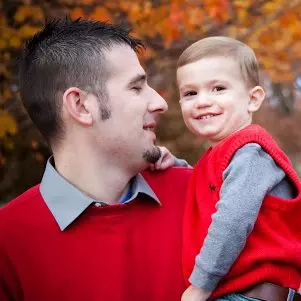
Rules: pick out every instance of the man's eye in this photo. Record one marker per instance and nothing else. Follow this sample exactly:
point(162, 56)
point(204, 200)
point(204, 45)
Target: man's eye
point(218, 88)
point(136, 89)
point(190, 93)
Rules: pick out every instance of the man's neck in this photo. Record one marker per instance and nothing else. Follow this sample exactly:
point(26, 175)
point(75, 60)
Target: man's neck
point(98, 179)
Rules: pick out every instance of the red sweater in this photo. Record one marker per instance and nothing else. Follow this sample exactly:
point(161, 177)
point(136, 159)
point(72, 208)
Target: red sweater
point(273, 249)
point(117, 253)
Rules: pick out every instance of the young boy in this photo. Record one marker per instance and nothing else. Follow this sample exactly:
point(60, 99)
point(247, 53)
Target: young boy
point(244, 203)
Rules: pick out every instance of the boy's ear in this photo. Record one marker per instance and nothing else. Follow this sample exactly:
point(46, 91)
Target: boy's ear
point(256, 98)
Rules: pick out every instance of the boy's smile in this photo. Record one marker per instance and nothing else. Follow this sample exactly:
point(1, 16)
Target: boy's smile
point(214, 98)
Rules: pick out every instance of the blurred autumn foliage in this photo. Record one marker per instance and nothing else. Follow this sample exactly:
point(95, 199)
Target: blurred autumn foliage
point(271, 28)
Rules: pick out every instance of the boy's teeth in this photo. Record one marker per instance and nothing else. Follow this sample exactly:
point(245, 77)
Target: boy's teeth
point(206, 116)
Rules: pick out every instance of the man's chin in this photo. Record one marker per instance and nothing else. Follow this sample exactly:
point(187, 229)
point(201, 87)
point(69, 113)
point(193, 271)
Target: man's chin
point(152, 155)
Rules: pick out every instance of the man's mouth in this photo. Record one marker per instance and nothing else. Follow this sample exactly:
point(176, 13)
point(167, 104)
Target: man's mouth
point(149, 127)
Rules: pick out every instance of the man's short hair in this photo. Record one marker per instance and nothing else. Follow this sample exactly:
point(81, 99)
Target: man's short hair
point(66, 54)
point(226, 47)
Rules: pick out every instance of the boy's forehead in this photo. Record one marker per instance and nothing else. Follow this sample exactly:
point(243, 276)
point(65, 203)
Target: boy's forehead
point(208, 68)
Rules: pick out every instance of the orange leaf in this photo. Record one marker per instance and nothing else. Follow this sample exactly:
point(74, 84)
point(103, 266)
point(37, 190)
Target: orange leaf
point(266, 39)
point(7, 124)
point(2, 160)
point(146, 54)
point(27, 31)
point(6, 56)
point(22, 13)
point(175, 33)
point(296, 50)
point(175, 17)
point(218, 10)
point(15, 42)
point(37, 13)
point(7, 94)
point(4, 71)
point(3, 44)
point(34, 144)
point(29, 11)
point(134, 13)
point(7, 33)
point(86, 2)
point(39, 157)
point(164, 94)
point(166, 33)
point(101, 14)
point(77, 13)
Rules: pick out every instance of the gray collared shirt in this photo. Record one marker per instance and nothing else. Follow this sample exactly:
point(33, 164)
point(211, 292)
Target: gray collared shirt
point(66, 202)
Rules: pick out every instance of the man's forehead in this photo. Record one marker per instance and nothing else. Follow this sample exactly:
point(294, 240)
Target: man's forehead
point(122, 58)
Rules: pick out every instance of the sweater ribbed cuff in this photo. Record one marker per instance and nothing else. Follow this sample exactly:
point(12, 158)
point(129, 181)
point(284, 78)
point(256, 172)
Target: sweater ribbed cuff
point(204, 280)
point(181, 162)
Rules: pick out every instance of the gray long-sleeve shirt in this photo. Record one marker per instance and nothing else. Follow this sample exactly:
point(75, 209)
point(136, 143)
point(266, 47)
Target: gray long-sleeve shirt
point(251, 174)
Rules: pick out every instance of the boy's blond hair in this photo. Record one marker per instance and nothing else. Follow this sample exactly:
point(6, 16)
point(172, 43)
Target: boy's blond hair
point(227, 47)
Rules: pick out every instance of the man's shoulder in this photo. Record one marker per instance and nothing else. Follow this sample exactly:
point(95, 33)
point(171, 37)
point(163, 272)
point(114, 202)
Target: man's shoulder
point(173, 176)
point(170, 185)
point(20, 205)
point(178, 172)
point(21, 220)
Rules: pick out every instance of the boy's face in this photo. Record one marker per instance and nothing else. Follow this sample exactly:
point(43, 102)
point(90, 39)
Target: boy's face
point(214, 98)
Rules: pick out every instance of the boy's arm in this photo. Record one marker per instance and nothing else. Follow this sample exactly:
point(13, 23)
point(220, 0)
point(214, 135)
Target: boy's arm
point(167, 160)
point(245, 185)
point(181, 162)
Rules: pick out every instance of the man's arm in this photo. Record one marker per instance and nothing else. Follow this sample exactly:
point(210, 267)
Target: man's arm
point(9, 283)
point(10, 288)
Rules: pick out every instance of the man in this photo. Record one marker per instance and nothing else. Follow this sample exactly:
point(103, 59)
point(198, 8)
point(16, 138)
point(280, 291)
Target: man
point(95, 228)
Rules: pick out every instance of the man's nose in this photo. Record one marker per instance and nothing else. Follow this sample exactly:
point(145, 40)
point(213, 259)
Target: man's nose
point(157, 103)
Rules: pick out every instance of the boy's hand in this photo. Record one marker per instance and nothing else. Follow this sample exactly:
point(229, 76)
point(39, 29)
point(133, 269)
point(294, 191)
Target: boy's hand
point(166, 160)
point(193, 293)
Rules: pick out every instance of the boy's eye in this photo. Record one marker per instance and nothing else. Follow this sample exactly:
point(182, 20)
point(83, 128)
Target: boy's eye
point(189, 93)
point(218, 88)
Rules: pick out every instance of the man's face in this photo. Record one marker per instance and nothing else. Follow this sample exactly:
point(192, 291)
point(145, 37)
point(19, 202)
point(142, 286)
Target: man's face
point(214, 98)
point(134, 109)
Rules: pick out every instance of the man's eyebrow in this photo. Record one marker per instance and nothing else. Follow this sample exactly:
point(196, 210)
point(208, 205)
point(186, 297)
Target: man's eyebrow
point(138, 78)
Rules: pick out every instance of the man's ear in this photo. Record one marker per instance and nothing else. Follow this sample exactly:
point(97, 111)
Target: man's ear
point(75, 103)
point(256, 98)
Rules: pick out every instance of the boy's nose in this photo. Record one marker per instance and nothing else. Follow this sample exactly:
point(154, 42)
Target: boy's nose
point(203, 100)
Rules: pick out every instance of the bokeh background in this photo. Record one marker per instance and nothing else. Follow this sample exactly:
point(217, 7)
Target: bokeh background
point(271, 28)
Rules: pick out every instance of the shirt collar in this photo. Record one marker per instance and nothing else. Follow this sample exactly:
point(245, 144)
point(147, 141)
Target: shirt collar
point(66, 202)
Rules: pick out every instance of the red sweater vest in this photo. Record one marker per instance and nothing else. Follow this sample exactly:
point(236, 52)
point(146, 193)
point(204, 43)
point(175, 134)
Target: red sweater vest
point(273, 249)
point(119, 253)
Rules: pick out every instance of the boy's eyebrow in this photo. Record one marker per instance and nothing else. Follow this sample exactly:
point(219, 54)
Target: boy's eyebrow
point(141, 77)
point(208, 83)
point(189, 86)
point(214, 81)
